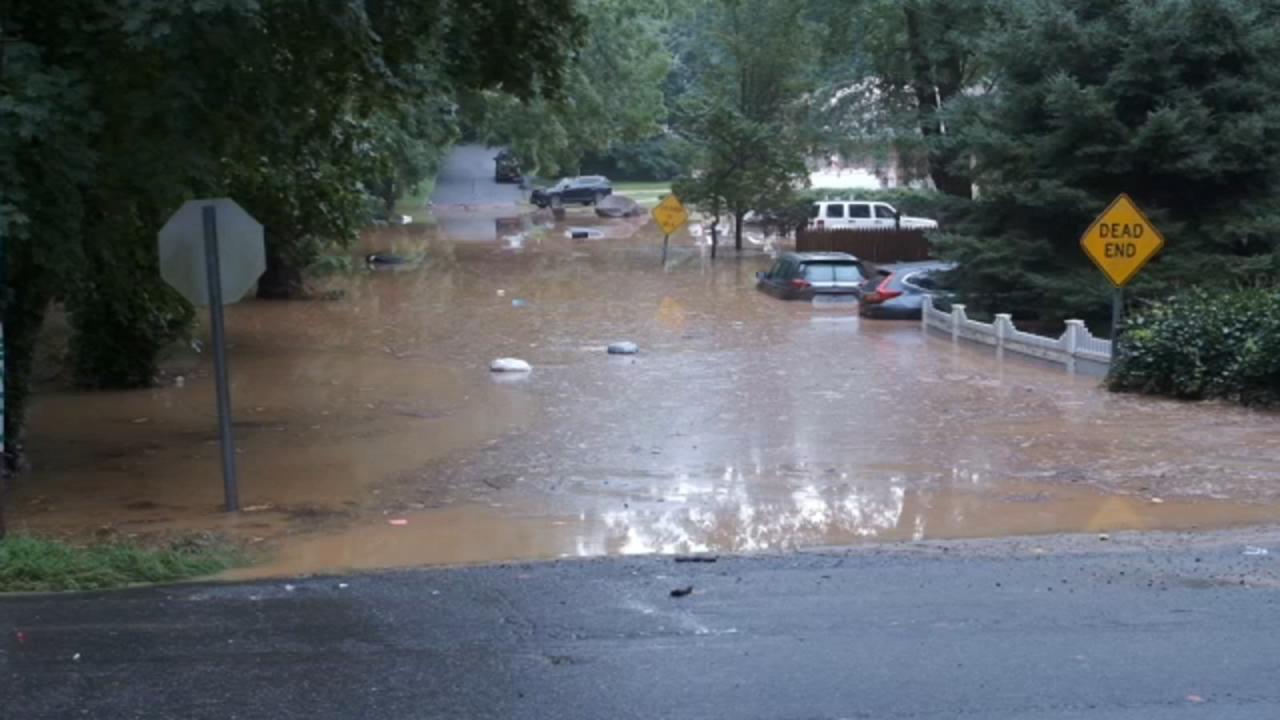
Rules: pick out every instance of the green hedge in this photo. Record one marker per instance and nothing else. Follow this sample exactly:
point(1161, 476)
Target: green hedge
point(1204, 344)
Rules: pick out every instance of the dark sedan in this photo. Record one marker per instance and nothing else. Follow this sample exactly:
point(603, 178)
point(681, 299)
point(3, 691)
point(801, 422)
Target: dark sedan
point(897, 292)
point(585, 190)
point(804, 276)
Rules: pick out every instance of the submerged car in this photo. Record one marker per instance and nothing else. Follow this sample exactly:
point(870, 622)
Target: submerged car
point(897, 292)
point(804, 276)
point(584, 190)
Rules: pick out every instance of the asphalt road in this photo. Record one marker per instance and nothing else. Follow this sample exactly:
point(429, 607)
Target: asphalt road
point(988, 630)
point(466, 178)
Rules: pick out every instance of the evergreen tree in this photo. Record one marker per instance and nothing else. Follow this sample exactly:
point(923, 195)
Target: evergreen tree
point(1175, 102)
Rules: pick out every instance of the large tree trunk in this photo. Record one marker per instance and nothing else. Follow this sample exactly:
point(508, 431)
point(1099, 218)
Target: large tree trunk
point(931, 93)
point(715, 227)
point(390, 193)
point(23, 317)
point(283, 279)
point(737, 229)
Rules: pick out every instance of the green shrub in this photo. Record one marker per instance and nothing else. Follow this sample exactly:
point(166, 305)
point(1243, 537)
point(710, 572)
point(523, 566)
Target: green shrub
point(122, 313)
point(1204, 345)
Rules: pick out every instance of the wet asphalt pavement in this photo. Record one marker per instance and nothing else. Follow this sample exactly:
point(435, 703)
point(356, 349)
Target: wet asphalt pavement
point(466, 178)
point(1137, 627)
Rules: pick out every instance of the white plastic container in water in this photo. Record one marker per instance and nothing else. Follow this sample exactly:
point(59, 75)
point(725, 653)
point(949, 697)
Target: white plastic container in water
point(510, 365)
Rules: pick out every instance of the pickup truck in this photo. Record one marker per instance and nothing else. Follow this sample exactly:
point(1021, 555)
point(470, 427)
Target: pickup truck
point(862, 215)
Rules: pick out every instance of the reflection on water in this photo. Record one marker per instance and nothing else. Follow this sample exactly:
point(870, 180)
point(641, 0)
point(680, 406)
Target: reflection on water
point(744, 424)
point(715, 521)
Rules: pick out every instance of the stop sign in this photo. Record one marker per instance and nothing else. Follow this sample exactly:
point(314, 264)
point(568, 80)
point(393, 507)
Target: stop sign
point(242, 254)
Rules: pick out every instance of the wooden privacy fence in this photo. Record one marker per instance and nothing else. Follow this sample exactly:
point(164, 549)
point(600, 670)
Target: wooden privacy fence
point(873, 245)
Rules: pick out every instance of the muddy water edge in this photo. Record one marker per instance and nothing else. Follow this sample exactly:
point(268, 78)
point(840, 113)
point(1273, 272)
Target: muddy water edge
point(744, 424)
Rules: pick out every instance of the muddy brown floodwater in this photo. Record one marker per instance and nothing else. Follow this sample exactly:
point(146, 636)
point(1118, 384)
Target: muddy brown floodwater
point(744, 424)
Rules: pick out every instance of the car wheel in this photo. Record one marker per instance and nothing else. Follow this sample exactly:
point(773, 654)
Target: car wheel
point(597, 198)
point(555, 202)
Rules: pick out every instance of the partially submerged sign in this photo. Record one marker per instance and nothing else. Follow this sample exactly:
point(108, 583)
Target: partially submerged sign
point(670, 214)
point(1121, 241)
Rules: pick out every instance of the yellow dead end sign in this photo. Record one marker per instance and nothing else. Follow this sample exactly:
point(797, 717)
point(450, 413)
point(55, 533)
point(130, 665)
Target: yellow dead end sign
point(670, 215)
point(1121, 241)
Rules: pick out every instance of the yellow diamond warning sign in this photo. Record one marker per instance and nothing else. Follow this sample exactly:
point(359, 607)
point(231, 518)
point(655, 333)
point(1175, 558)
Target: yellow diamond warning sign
point(1121, 241)
point(670, 214)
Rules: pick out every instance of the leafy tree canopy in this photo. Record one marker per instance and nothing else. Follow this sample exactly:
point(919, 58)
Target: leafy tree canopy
point(112, 112)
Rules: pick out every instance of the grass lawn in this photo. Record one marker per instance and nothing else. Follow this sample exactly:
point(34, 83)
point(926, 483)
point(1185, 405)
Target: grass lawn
point(29, 564)
point(415, 204)
point(645, 193)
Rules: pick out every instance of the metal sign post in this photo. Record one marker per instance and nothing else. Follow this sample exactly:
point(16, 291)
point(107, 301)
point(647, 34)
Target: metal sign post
point(213, 252)
point(1117, 310)
point(670, 215)
point(214, 274)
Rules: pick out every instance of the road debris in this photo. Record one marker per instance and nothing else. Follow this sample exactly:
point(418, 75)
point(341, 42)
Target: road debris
point(681, 592)
point(398, 522)
point(625, 347)
point(1104, 537)
point(696, 558)
point(519, 303)
point(1254, 551)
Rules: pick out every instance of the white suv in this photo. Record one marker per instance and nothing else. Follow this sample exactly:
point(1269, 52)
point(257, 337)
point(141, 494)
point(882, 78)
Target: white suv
point(859, 215)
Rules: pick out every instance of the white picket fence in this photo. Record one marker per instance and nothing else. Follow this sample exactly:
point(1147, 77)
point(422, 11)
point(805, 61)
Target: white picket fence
point(1077, 343)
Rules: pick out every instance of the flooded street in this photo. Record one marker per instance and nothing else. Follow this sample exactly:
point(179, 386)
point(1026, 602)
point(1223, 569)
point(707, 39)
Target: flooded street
point(744, 424)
